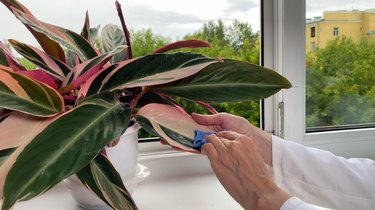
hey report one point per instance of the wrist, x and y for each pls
(272, 200)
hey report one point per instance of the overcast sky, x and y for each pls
(171, 18)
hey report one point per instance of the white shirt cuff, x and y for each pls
(295, 203)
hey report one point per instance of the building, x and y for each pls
(354, 24)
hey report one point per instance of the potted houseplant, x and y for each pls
(58, 119)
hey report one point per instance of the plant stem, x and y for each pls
(126, 32)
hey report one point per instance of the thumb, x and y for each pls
(204, 119)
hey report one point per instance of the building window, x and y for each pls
(312, 31)
(335, 31)
(312, 47)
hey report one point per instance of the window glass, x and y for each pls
(232, 27)
(340, 68)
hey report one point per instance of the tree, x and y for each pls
(144, 41)
(237, 41)
(340, 83)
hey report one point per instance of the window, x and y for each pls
(343, 120)
(312, 46)
(232, 28)
(312, 32)
(227, 27)
(335, 31)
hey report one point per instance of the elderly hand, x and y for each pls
(242, 172)
(225, 121)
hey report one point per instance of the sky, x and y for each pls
(170, 18)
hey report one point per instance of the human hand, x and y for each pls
(225, 121)
(242, 172)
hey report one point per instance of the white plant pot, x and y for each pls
(124, 157)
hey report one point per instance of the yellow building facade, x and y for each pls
(353, 24)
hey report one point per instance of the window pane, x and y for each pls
(340, 64)
(232, 27)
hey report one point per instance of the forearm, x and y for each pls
(321, 178)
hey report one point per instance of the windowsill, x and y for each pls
(177, 181)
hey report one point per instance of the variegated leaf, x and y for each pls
(20, 93)
(3, 52)
(156, 69)
(16, 128)
(5, 154)
(65, 146)
(43, 77)
(41, 59)
(103, 179)
(8, 59)
(48, 45)
(82, 72)
(228, 81)
(22, 140)
(111, 37)
(161, 119)
(183, 44)
(85, 32)
(68, 38)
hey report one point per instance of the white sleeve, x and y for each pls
(295, 203)
(321, 178)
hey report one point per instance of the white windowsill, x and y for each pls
(178, 181)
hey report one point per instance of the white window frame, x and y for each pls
(284, 51)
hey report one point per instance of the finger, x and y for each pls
(216, 142)
(215, 120)
(230, 135)
(209, 150)
(225, 141)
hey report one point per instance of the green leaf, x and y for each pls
(65, 146)
(103, 179)
(20, 93)
(156, 69)
(160, 119)
(228, 81)
(111, 37)
(5, 153)
(68, 38)
(3, 59)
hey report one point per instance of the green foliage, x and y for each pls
(145, 41)
(340, 83)
(237, 41)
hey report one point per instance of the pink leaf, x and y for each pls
(77, 82)
(43, 77)
(166, 116)
(183, 44)
(207, 106)
(85, 87)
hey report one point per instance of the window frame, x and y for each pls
(336, 31)
(286, 22)
(312, 31)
